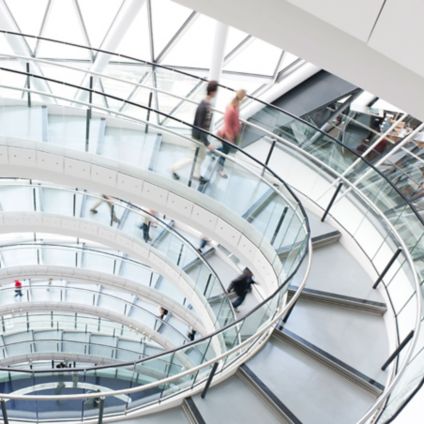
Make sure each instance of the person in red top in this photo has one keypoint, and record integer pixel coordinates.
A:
(231, 128)
(18, 288)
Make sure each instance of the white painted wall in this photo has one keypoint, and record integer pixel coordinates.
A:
(332, 34)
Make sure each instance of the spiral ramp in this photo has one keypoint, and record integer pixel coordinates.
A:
(307, 346)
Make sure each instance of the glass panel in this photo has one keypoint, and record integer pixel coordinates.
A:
(97, 24)
(136, 41)
(165, 25)
(63, 23)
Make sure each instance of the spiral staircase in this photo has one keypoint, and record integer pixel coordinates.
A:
(328, 335)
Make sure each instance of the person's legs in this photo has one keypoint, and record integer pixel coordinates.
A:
(197, 173)
(225, 148)
(239, 300)
(146, 228)
(179, 165)
(203, 243)
(111, 206)
(94, 208)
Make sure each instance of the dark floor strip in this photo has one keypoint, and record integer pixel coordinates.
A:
(324, 239)
(317, 241)
(269, 394)
(343, 300)
(359, 377)
(194, 411)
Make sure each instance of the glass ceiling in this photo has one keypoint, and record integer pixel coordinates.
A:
(162, 31)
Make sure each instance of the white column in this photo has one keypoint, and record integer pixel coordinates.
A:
(218, 49)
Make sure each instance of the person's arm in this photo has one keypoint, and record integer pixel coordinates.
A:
(230, 287)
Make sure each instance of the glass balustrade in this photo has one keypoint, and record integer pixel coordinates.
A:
(40, 293)
(251, 191)
(41, 197)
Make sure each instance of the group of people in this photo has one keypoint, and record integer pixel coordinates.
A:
(230, 132)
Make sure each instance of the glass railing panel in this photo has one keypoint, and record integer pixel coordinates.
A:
(239, 190)
(408, 382)
(97, 262)
(253, 321)
(67, 130)
(405, 315)
(28, 256)
(243, 187)
(13, 197)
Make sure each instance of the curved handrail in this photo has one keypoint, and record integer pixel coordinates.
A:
(285, 310)
(178, 71)
(412, 207)
(97, 293)
(168, 116)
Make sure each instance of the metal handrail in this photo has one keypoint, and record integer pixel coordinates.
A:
(412, 207)
(125, 205)
(263, 330)
(99, 93)
(297, 119)
(40, 286)
(178, 71)
(302, 212)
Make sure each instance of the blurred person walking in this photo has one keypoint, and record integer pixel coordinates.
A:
(202, 121)
(241, 286)
(109, 201)
(231, 128)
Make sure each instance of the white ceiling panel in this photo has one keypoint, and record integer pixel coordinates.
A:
(399, 33)
(354, 17)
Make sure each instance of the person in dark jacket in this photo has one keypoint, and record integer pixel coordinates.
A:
(202, 121)
(241, 286)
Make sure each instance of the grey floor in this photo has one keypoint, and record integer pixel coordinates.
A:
(315, 393)
(235, 402)
(345, 275)
(355, 337)
(174, 416)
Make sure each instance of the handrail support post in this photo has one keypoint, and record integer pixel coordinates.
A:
(271, 149)
(88, 116)
(28, 83)
(208, 383)
(101, 409)
(280, 222)
(398, 350)
(4, 411)
(146, 128)
(331, 202)
(386, 269)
